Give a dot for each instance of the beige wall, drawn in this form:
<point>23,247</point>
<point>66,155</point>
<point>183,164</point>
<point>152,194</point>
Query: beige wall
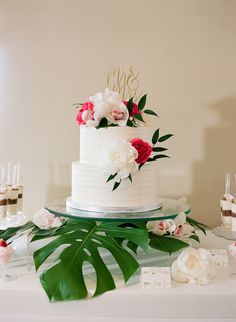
<point>56,52</point>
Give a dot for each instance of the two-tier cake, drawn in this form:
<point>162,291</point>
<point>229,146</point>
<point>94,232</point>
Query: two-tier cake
<point>116,172</point>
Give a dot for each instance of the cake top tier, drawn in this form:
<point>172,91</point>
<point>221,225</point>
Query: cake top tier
<point>107,109</point>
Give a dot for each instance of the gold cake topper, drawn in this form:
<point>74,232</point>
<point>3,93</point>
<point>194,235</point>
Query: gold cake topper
<point>126,84</point>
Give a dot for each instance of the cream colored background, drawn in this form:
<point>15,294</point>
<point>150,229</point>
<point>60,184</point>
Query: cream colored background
<point>57,52</point>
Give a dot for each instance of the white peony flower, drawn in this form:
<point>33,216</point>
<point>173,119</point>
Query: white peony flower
<point>193,266</point>
<point>120,158</point>
<point>161,227</point>
<point>109,105</point>
<point>182,229</point>
<point>45,220</point>
<point>92,123</point>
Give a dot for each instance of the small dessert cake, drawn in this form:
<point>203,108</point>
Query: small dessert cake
<point>3,203</point>
<point>116,172</point>
<point>6,252</point>
<point>20,199</point>
<point>11,192</point>
<point>12,198</point>
<point>226,205</point>
<point>233,216</point>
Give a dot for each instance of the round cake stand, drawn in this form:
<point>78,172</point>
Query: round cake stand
<point>170,209</point>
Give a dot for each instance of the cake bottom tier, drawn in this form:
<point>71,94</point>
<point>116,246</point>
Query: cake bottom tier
<point>91,192</point>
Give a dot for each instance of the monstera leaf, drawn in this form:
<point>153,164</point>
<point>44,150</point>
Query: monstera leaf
<point>166,244</point>
<point>82,241</point>
<point>77,242</point>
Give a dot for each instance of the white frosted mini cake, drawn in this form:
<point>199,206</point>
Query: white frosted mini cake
<point>116,172</point>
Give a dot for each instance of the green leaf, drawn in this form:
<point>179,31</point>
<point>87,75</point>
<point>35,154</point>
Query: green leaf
<point>197,224</point>
<point>150,112</point>
<point>138,117</point>
<point>141,165</point>
<point>132,246</point>
<point>102,123</point>
<point>77,104</point>
<point>195,237</point>
<point>116,185</point>
<point>130,123</point>
<point>64,278</point>
<point>159,156</point>
<point>45,233</point>
<point>130,105</point>
<point>165,137</point>
<point>13,232</point>
<point>158,149</point>
<point>112,176</point>
<point>166,244</point>
<point>156,157</point>
<point>142,102</point>
<point>155,136</point>
<point>130,177</point>
<point>134,233</point>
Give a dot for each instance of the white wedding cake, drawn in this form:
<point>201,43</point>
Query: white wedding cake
<point>116,172</point>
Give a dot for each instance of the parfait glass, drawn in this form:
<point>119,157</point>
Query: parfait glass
<point>233,211</point>
<point>6,253</point>
<point>226,204</point>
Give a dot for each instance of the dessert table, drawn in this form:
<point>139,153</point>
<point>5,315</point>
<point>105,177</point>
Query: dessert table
<point>25,300</point>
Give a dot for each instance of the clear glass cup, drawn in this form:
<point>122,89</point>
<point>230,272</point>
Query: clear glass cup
<point>6,254</point>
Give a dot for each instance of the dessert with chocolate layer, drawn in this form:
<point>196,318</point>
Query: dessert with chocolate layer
<point>233,215</point>
<point>20,199</point>
<point>3,204</point>
<point>226,205</point>
<point>12,198</point>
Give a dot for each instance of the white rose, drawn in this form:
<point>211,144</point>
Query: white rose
<point>45,220</point>
<point>194,266</point>
<point>119,158</point>
<point>109,105</point>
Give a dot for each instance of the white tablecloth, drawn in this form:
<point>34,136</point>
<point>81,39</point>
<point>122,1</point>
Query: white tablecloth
<point>25,300</point>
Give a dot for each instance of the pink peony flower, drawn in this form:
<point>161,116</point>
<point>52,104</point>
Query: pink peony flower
<point>144,149</point>
<point>85,113</point>
<point>134,108</point>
